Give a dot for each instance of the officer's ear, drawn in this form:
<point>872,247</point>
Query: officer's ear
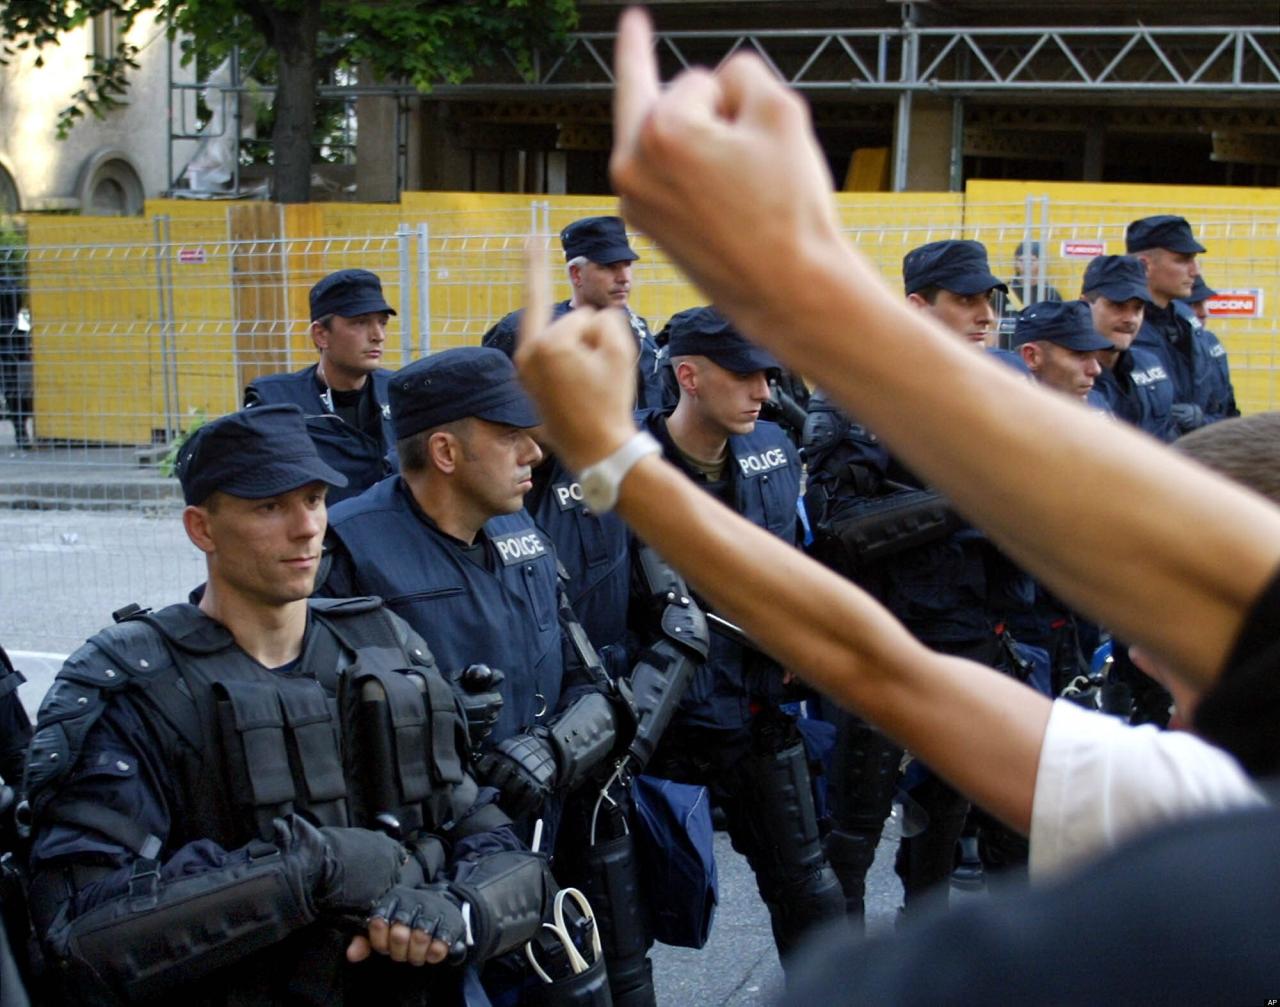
<point>320,334</point>
<point>444,450</point>
<point>686,371</point>
<point>195,520</point>
<point>1030,354</point>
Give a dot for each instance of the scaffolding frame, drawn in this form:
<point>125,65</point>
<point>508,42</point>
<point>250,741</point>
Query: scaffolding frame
<point>1232,64</point>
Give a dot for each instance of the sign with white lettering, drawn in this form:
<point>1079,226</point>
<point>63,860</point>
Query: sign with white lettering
<point>1083,249</point>
<point>1245,303</point>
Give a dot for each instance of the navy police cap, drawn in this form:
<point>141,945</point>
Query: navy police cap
<point>451,385</point>
<point>704,332</point>
<point>348,293</point>
<point>254,454</point>
<point>959,266</point>
<point>1161,231</point>
<point>1200,291</point>
<point>601,239</point>
<point>1067,323</point>
<point>1116,277</point>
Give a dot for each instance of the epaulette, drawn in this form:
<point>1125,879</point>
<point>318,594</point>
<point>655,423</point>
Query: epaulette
<point>344,606</point>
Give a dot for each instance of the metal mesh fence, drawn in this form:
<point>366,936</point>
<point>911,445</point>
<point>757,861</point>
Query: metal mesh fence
<point>142,328</point>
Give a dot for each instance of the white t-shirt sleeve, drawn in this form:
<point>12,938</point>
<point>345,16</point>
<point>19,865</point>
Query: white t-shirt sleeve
<point>1100,781</point>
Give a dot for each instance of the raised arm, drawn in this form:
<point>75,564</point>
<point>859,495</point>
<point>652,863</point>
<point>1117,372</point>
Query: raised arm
<point>963,719</point>
<point>723,171</point>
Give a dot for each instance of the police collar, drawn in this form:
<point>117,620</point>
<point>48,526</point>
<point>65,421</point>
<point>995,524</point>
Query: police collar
<point>477,551</point>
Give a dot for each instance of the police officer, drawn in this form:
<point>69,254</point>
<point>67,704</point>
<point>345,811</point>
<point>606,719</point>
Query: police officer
<point>877,524</point>
<point>205,781</point>
<point>1213,390</point>
<point>450,547</point>
<point>1167,248</point>
<point>1134,381</point>
<point>729,733</point>
<point>447,542</point>
<point>1059,345</point>
<point>598,260</point>
<point>343,394</point>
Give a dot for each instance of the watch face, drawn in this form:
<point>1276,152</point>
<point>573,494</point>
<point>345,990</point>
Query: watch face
<point>597,490</point>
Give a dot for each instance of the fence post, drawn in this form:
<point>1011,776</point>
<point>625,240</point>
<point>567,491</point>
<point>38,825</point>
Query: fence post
<point>403,236</point>
<point>1027,227</point>
<point>424,289</point>
<point>1042,276</point>
<point>164,294</point>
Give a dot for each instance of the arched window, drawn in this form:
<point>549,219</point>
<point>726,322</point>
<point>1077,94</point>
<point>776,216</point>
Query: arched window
<point>110,186</point>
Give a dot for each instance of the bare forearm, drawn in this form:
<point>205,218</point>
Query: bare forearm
<point>979,729</point>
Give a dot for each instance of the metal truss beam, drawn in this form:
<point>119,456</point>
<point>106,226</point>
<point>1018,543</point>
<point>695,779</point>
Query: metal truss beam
<point>945,61</point>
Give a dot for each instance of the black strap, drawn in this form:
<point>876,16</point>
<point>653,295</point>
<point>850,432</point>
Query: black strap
<point>408,723</point>
<point>445,759</point>
<point>582,645</point>
<point>117,827</point>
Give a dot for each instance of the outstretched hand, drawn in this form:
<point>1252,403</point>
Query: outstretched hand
<point>721,169</point>
<point>580,370</point>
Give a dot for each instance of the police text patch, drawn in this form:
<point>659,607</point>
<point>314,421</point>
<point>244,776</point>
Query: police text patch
<point>568,495</point>
<point>519,547</point>
<point>763,461</point>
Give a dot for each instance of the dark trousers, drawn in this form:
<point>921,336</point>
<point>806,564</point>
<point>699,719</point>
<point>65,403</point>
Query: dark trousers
<point>758,776</point>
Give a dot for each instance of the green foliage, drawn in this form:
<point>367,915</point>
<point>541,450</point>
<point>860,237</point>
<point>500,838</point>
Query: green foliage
<point>418,41</point>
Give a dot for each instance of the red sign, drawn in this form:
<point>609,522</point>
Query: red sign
<point>191,256</point>
<point>1083,249</point>
<point>1235,304</point>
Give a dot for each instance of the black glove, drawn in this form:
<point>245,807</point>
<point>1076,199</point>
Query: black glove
<point>433,909</point>
<point>348,868</point>
<point>1187,416</point>
<point>523,769</point>
<point>477,689</point>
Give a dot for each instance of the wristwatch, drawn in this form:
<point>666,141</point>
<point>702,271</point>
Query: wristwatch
<point>600,481</point>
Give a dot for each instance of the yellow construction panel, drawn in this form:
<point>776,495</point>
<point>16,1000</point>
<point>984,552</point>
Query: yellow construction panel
<point>95,331</point>
<point>102,344</point>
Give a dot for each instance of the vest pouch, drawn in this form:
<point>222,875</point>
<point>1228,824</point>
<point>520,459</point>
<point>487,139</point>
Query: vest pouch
<point>258,774</point>
<point>385,722</point>
<point>314,751</point>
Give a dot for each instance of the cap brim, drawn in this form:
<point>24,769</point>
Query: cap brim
<point>614,253</point>
<point>1191,247</point>
<point>744,360</point>
<point>1120,292</point>
<point>1085,344</point>
<point>284,478</point>
<point>974,283</point>
<point>514,411</point>
<point>363,306</point>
